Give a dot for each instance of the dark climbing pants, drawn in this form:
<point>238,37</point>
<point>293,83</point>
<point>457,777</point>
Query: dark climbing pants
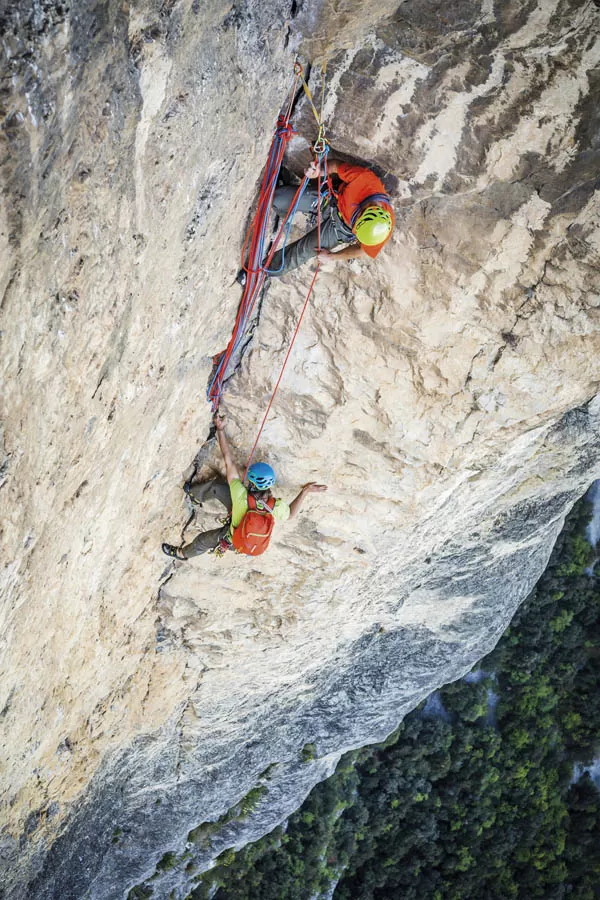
<point>209,540</point>
<point>334,231</point>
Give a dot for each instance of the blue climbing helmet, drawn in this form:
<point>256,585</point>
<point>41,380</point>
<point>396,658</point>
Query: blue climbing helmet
<point>261,475</point>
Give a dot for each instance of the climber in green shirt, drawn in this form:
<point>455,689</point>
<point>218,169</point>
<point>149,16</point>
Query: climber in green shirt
<point>252,510</point>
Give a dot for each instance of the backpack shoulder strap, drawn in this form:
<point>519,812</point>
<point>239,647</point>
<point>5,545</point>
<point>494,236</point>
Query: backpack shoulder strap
<point>265,505</point>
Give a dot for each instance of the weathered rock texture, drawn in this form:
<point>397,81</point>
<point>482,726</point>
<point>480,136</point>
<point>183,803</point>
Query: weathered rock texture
<point>447,393</point>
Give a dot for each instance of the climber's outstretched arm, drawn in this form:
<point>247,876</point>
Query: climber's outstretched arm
<point>310,488</point>
<point>231,470</point>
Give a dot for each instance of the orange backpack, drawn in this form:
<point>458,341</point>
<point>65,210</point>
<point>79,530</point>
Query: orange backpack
<point>253,534</point>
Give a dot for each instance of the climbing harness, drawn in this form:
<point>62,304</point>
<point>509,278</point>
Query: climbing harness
<point>223,546</point>
<point>254,262</point>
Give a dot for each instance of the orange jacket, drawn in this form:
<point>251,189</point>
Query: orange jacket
<point>359,183</point>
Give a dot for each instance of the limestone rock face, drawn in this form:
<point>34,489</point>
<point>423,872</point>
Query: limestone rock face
<point>446,392</point>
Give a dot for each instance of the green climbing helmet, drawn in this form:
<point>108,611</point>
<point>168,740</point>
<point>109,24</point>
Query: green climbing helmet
<point>373,226</point>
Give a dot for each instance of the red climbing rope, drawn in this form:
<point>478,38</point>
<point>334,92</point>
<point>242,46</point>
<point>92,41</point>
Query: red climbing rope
<point>294,336</point>
<point>287,356</point>
<point>254,247</point>
<point>253,261</point>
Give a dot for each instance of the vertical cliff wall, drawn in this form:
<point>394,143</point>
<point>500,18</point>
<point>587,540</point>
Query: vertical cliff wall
<point>446,392</point>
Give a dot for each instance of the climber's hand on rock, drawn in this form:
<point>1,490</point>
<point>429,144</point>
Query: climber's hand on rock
<point>313,170</point>
<point>220,421</point>
<point>324,255</point>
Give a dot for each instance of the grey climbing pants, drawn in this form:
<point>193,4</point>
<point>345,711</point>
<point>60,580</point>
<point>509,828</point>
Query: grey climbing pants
<point>209,540</point>
<point>334,231</point>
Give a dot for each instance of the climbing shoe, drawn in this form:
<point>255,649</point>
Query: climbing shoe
<point>175,552</point>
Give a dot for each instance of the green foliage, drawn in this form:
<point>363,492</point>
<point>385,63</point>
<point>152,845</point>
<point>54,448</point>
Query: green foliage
<point>580,556</point>
<point>168,861</point>
<point>561,622</point>
<point>477,808</point>
<point>204,833</point>
<point>308,753</point>
<point>140,892</point>
<point>249,803</point>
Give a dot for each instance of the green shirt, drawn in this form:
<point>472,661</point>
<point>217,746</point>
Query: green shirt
<point>239,505</point>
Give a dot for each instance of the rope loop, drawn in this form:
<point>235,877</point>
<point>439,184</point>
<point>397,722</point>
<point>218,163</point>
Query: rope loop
<point>284,129</point>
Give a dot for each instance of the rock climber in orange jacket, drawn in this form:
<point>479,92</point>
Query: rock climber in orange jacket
<point>360,216</point>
